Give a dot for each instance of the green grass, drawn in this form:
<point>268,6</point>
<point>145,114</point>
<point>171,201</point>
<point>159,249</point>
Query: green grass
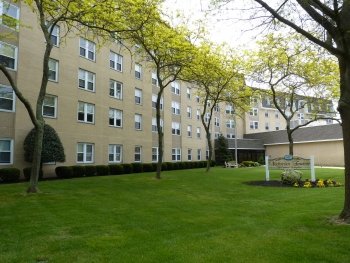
<point>188,216</point>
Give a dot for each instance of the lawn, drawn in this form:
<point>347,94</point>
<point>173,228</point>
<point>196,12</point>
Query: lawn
<point>188,216</point>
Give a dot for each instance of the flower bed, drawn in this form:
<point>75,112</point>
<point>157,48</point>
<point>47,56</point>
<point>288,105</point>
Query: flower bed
<point>320,183</point>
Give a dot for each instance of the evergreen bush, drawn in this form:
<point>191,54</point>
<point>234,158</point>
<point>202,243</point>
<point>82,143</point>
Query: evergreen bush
<point>9,175</point>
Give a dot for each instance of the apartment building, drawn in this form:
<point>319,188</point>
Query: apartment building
<point>100,100</point>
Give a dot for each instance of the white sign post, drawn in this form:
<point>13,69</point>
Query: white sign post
<point>312,168</point>
<point>267,172</point>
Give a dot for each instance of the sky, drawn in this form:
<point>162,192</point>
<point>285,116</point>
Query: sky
<point>231,31</point>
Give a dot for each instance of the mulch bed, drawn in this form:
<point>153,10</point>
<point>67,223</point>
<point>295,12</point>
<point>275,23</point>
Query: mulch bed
<point>273,183</point>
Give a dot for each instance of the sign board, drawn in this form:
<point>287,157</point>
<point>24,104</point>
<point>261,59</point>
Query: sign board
<point>290,162</point>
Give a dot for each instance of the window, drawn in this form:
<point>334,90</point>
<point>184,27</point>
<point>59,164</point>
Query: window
<point>216,108</point>
<point>189,131</point>
<point>199,154</point>
<point>85,152</point>
<point>50,106</point>
<point>154,79</point>
<point>301,104</point>
<point>175,88</point>
<point>154,124</point>
<point>175,107</point>
<point>266,102</point>
<point>7,99</point>
<point>53,69</point>
<point>254,125</point>
<point>277,128</point>
<point>8,55</point>
<point>115,118</point>
<point>230,136</point>
<point>253,100</point>
<point>300,116</point>
<point>175,128</point>
<point>206,154</point>
<point>207,117</point>
<point>266,114</point>
<point>189,112</point>
<point>216,121</point>
<point>267,126</point>
<point>155,154</point>
<point>198,132</point>
<point>188,92</point>
<point>154,101</point>
<point>197,99</point>
<point>253,112</point>
<point>198,114</point>
<point>9,15</point>
<point>276,115</point>
<point>87,49</point>
<point>6,149</point>
<point>216,135</point>
<point>176,154</point>
<point>138,121</point>
<point>329,121</point>
<point>115,153</point>
<point>137,155</point>
<point>115,89</point>
<point>86,112</point>
<point>115,61</point>
<point>138,71</point>
<point>229,109</point>
<point>86,80</point>
<point>138,96</point>
<point>189,154</point>
<point>55,36</point>
<point>230,124</point>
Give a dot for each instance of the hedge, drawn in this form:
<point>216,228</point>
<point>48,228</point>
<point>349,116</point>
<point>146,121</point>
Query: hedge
<point>27,172</point>
<point>9,175</point>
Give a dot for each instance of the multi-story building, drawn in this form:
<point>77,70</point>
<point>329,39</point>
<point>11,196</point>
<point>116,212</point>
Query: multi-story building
<point>101,101</point>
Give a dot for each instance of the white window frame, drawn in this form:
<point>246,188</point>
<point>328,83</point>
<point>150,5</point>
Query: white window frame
<point>229,109</point>
<point>154,124</point>
<point>55,35</point>
<point>189,154</point>
<point>85,45</point>
<point>267,126</point>
<point>176,154</point>
<point>115,61</point>
<point>175,87</point>
<point>138,96</point>
<point>112,152</point>
<point>85,112</point>
<point>154,101</point>
<point>55,70</point>
<point>188,93</point>
<point>138,71</point>
<point>253,112</point>
<point>138,121</point>
<point>189,112</point>
<point>198,114</point>
<point>230,124</point>
<point>116,115</point>
<point>13,99</point>
<point>84,75</point>
<point>217,122</point>
<point>189,130</point>
<point>15,51</point>
<point>198,132</point>
<point>176,128</point>
<point>254,125</point>
<point>84,152</point>
<point>155,154</point>
<point>199,154</point>
<point>50,106</point>
<point>2,13</point>
<point>138,152</point>
<point>154,79</point>
<point>115,89</point>
<point>175,107</point>
<point>8,151</point>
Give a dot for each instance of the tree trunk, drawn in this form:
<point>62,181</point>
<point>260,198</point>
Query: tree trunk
<point>160,133</point>
<point>36,165</point>
<point>344,109</point>
<point>290,140</point>
<point>210,147</point>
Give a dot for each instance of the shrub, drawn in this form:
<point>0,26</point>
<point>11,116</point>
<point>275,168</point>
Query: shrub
<point>90,170</point>
<point>176,166</point>
<point>78,171</point>
<point>290,177</point>
<point>102,170</point>
<point>212,163</point>
<point>27,173</point>
<point>154,167</point>
<point>169,166</point>
<point>9,175</point>
<point>127,167</point>
<point>64,171</point>
<point>249,164</point>
<point>148,167</point>
<point>116,169</point>
<point>137,167</point>
<point>164,166</point>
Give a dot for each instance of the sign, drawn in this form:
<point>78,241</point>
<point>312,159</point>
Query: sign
<point>290,162</point>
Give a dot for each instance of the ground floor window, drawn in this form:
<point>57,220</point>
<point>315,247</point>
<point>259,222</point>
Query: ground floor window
<point>137,155</point>
<point>155,154</point>
<point>85,152</point>
<point>115,153</point>
<point>6,149</point>
<point>176,154</point>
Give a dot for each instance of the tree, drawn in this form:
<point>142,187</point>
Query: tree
<point>168,50</point>
<point>104,17</point>
<point>215,72</point>
<point>52,149</point>
<point>299,80</point>
<point>326,24</point>
<point>222,153</point>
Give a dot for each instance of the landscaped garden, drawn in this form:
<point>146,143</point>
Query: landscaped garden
<point>188,216</point>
